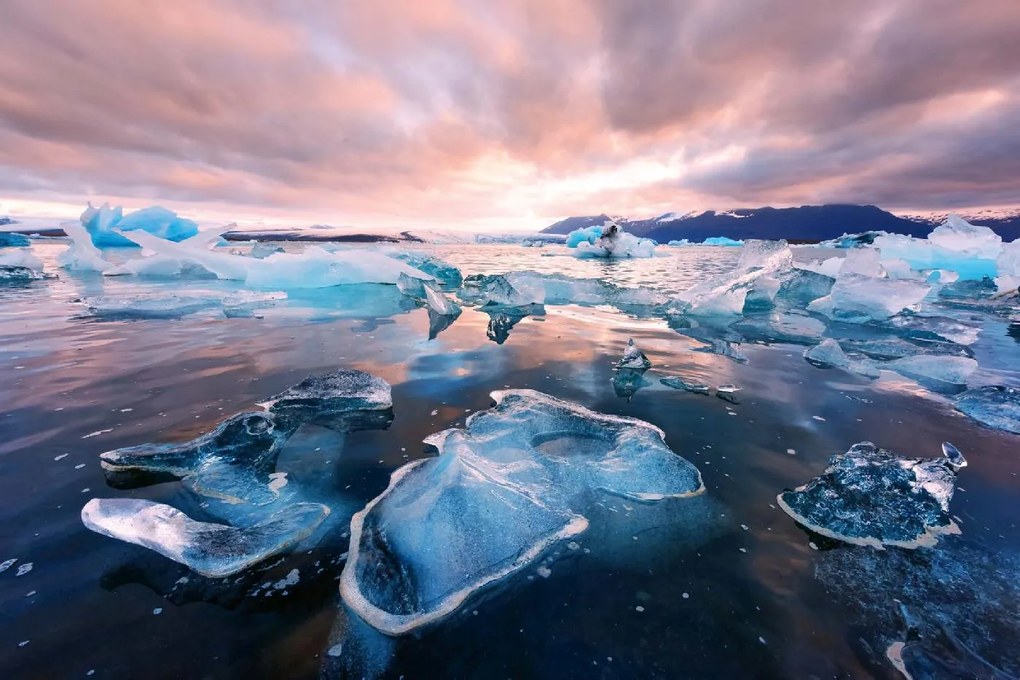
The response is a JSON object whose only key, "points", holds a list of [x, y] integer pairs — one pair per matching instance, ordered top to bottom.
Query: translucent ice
{"points": [[105, 224], [587, 235], [8, 240], [721, 241], [614, 242], [967, 249], [760, 262], [1007, 265], [315, 267], [441, 271], [495, 290], [858, 298], [438, 302], [171, 305], [829, 354], [633, 357], [948, 369], [678, 383], [996, 406], [234, 461], [516, 480], [870, 496], [213, 550]]}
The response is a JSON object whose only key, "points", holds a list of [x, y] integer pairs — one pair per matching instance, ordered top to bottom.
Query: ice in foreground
{"points": [[633, 357], [994, 406], [233, 462], [519, 478], [870, 496], [213, 550]]}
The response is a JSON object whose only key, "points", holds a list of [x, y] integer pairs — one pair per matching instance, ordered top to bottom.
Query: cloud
{"points": [[451, 113]]}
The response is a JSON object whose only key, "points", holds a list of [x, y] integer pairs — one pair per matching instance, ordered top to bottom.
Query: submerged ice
{"points": [[518, 478], [873, 497]]}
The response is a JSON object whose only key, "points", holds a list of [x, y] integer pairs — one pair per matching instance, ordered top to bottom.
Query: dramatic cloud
{"points": [[451, 113]]}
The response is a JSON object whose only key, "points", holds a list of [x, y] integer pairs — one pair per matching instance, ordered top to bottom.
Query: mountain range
{"points": [[806, 224]]}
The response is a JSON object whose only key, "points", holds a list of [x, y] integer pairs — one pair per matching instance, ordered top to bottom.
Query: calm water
{"points": [[716, 599]]}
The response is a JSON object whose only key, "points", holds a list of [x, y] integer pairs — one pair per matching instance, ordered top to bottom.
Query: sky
{"points": [[447, 114]]}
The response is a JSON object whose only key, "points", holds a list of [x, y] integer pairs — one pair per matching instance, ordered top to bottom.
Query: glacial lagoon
{"points": [[498, 562]]}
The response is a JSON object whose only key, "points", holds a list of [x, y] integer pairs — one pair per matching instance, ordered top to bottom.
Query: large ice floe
{"points": [[106, 225], [609, 240], [957, 245], [235, 463], [516, 480], [873, 497], [213, 550]]}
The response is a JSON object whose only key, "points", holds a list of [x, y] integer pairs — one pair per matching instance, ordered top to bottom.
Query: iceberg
{"points": [[105, 225], [587, 235], [12, 240], [721, 241], [614, 242], [956, 245], [315, 267], [633, 357], [995, 406], [516, 480], [872, 497], [213, 550]]}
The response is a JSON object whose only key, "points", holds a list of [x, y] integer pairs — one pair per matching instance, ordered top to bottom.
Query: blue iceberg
{"points": [[104, 223]]}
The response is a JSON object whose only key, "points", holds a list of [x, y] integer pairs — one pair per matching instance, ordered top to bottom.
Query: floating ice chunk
{"points": [[105, 224], [587, 235], [959, 235], [865, 238], [11, 240], [721, 241], [614, 242], [680, 242], [967, 249], [81, 254], [863, 261], [20, 265], [313, 268], [1008, 269], [441, 271], [495, 290], [726, 294], [857, 298], [439, 303], [174, 305], [503, 319], [829, 354], [633, 357], [948, 369], [678, 383], [728, 393], [340, 400], [995, 406], [953, 455], [516, 480], [870, 496], [213, 550]]}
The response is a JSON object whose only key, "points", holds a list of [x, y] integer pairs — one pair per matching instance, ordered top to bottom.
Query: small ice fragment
{"points": [[633, 357], [678, 383], [728, 393], [819, 418], [97, 433], [792, 452], [954, 455], [60, 457], [79, 466], [277, 480], [744, 527], [573, 545], [7, 564], [25, 568], [544, 571], [30, 593], [686, 596], [639, 608], [157, 611], [761, 640], [23, 643], [336, 650]]}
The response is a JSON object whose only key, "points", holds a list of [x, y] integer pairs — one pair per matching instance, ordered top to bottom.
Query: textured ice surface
{"points": [[104, 225], [585, 235], [9, 240], [721, 241], [613, 242], [967, 249], [1007, 266], [315, 267], [441, 271], [495, 290], [726, 294], [858, 298], [438, 303], [170, 305], [829, 354], [633, 357], [948, 369], [627, 381], [679, 383], [996, 406], [234, 461], [516, 480], [870, 496], [213, 550]]}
